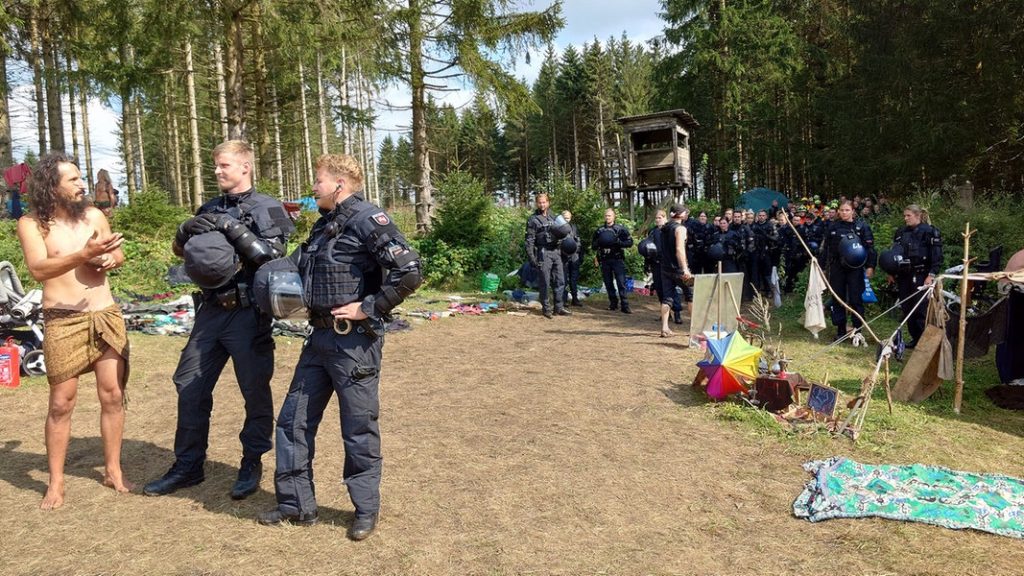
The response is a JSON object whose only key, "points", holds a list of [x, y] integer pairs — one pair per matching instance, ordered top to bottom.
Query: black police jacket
{"points": [[262, 215], [840, 229], [539, 235], [623, 239], [731, 242], [922, 246], [356, 253]]}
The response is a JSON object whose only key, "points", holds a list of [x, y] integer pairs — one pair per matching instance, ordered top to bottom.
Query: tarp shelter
{"points": [[761, 199]]}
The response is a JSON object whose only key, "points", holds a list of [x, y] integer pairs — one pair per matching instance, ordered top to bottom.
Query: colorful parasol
{"points": [[731, 360]]}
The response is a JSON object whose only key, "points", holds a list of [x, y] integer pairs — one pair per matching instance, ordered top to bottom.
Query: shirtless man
{"points": [[69, 247]]}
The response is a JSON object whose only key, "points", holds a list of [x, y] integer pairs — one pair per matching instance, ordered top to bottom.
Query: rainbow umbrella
{"points": [[731, 360]]}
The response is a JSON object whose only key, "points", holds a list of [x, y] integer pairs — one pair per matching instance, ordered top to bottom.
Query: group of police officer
{"points": [[752, 243], [354, 268]]}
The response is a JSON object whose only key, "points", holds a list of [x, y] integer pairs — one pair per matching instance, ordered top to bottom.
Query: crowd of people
{"points": [[756, 243]]}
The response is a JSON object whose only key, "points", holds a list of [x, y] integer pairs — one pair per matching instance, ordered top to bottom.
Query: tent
{"points": [[761, 199]]}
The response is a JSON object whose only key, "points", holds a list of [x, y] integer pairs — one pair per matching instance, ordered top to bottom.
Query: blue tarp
{"points": [[761, 199], [308, 203]]}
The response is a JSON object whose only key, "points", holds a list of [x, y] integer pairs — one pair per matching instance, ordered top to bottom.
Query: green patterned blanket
{"points": [[842, 488]]}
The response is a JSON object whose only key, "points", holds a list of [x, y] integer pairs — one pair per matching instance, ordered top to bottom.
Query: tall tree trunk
{"points": [[37, 80], [222, 98], [321, 103], [83, 105], [71, 109], [54, 110], [305, 126], [346, 126], [237, 128], [193, 129], [127, 140], [263, 144], [140, 146], [6, 151], [420, 151], [175, 152], [279, 163], [577, 174]]}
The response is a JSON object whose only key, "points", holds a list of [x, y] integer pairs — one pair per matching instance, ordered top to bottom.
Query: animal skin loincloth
{"points": [[75, 340]]}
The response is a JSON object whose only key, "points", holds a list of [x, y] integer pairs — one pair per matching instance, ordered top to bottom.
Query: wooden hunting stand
{"points": [[655, 161]]}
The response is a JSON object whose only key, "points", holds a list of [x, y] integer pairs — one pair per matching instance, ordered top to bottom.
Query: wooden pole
{"points": [[718, 312], [958, 396]]}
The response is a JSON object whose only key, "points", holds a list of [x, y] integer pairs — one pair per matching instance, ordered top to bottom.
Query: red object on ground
{"points": [[10, 365]]}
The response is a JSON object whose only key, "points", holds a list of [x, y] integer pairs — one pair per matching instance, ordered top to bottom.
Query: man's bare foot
{"points": [[665, 333], [118, 483], [54, 497]]}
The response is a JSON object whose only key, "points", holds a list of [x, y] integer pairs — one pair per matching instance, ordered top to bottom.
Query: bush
{"points": [[150, 215], [463, 218], [443, 265]]}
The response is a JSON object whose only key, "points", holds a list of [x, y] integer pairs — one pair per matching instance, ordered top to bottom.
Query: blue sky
{"points": [[585, 20]]}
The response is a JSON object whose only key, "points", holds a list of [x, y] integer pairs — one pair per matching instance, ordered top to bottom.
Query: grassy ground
{"points": [[513, 445]]}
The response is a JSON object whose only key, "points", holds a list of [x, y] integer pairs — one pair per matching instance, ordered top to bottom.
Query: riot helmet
{"points": [[606, 237], [569, 246], [647, 248], [716, 252], [852, 252], [210, 260], [889, 260], [277, 288]]}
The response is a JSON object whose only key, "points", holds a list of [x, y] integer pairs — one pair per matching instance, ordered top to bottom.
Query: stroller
{"points": [[21, 319]]}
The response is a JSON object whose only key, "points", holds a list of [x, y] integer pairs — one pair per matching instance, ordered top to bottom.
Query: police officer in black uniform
{"points": [[542, 236], [765, 240], [696, 241], [608, 242], [726, 246], [920, 246], [849, 253], [572, 255], [793, 255], [356, 267], [226, 323]]}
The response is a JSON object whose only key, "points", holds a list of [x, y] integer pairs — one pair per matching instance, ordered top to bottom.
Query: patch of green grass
{"points": [[909, 433]]}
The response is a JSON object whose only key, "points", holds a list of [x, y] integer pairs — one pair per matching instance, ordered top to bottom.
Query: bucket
{"points": [[489, 283], [10, 364]]}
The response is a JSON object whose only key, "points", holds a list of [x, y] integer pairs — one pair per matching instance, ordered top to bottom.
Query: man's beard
{"points": [[74, 208]]}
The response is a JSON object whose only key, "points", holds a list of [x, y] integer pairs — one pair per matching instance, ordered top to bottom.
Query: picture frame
{"points": [[822, 400]]}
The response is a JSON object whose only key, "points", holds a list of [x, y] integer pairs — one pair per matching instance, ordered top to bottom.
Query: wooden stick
{"points": [[718, 318], [888, 389], [958, 396]]}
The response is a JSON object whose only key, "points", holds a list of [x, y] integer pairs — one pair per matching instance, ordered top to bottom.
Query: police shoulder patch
{"points": [[381, 219]]}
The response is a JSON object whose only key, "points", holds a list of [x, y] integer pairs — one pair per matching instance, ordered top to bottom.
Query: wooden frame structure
{"points": [[656, 159]]}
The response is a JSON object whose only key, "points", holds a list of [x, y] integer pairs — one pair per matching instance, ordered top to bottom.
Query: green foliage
{"points": [[464, 215], [149, 216], [10, 250], [443, 265]]}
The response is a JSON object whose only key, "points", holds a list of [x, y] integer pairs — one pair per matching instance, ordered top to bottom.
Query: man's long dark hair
{"points": [[45, 181]]}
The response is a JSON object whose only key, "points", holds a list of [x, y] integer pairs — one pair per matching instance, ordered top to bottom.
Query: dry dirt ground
{"points": [[512, 445]]}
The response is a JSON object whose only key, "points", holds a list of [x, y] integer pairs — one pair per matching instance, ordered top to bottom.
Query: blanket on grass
{"points": [[842, 488]]}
